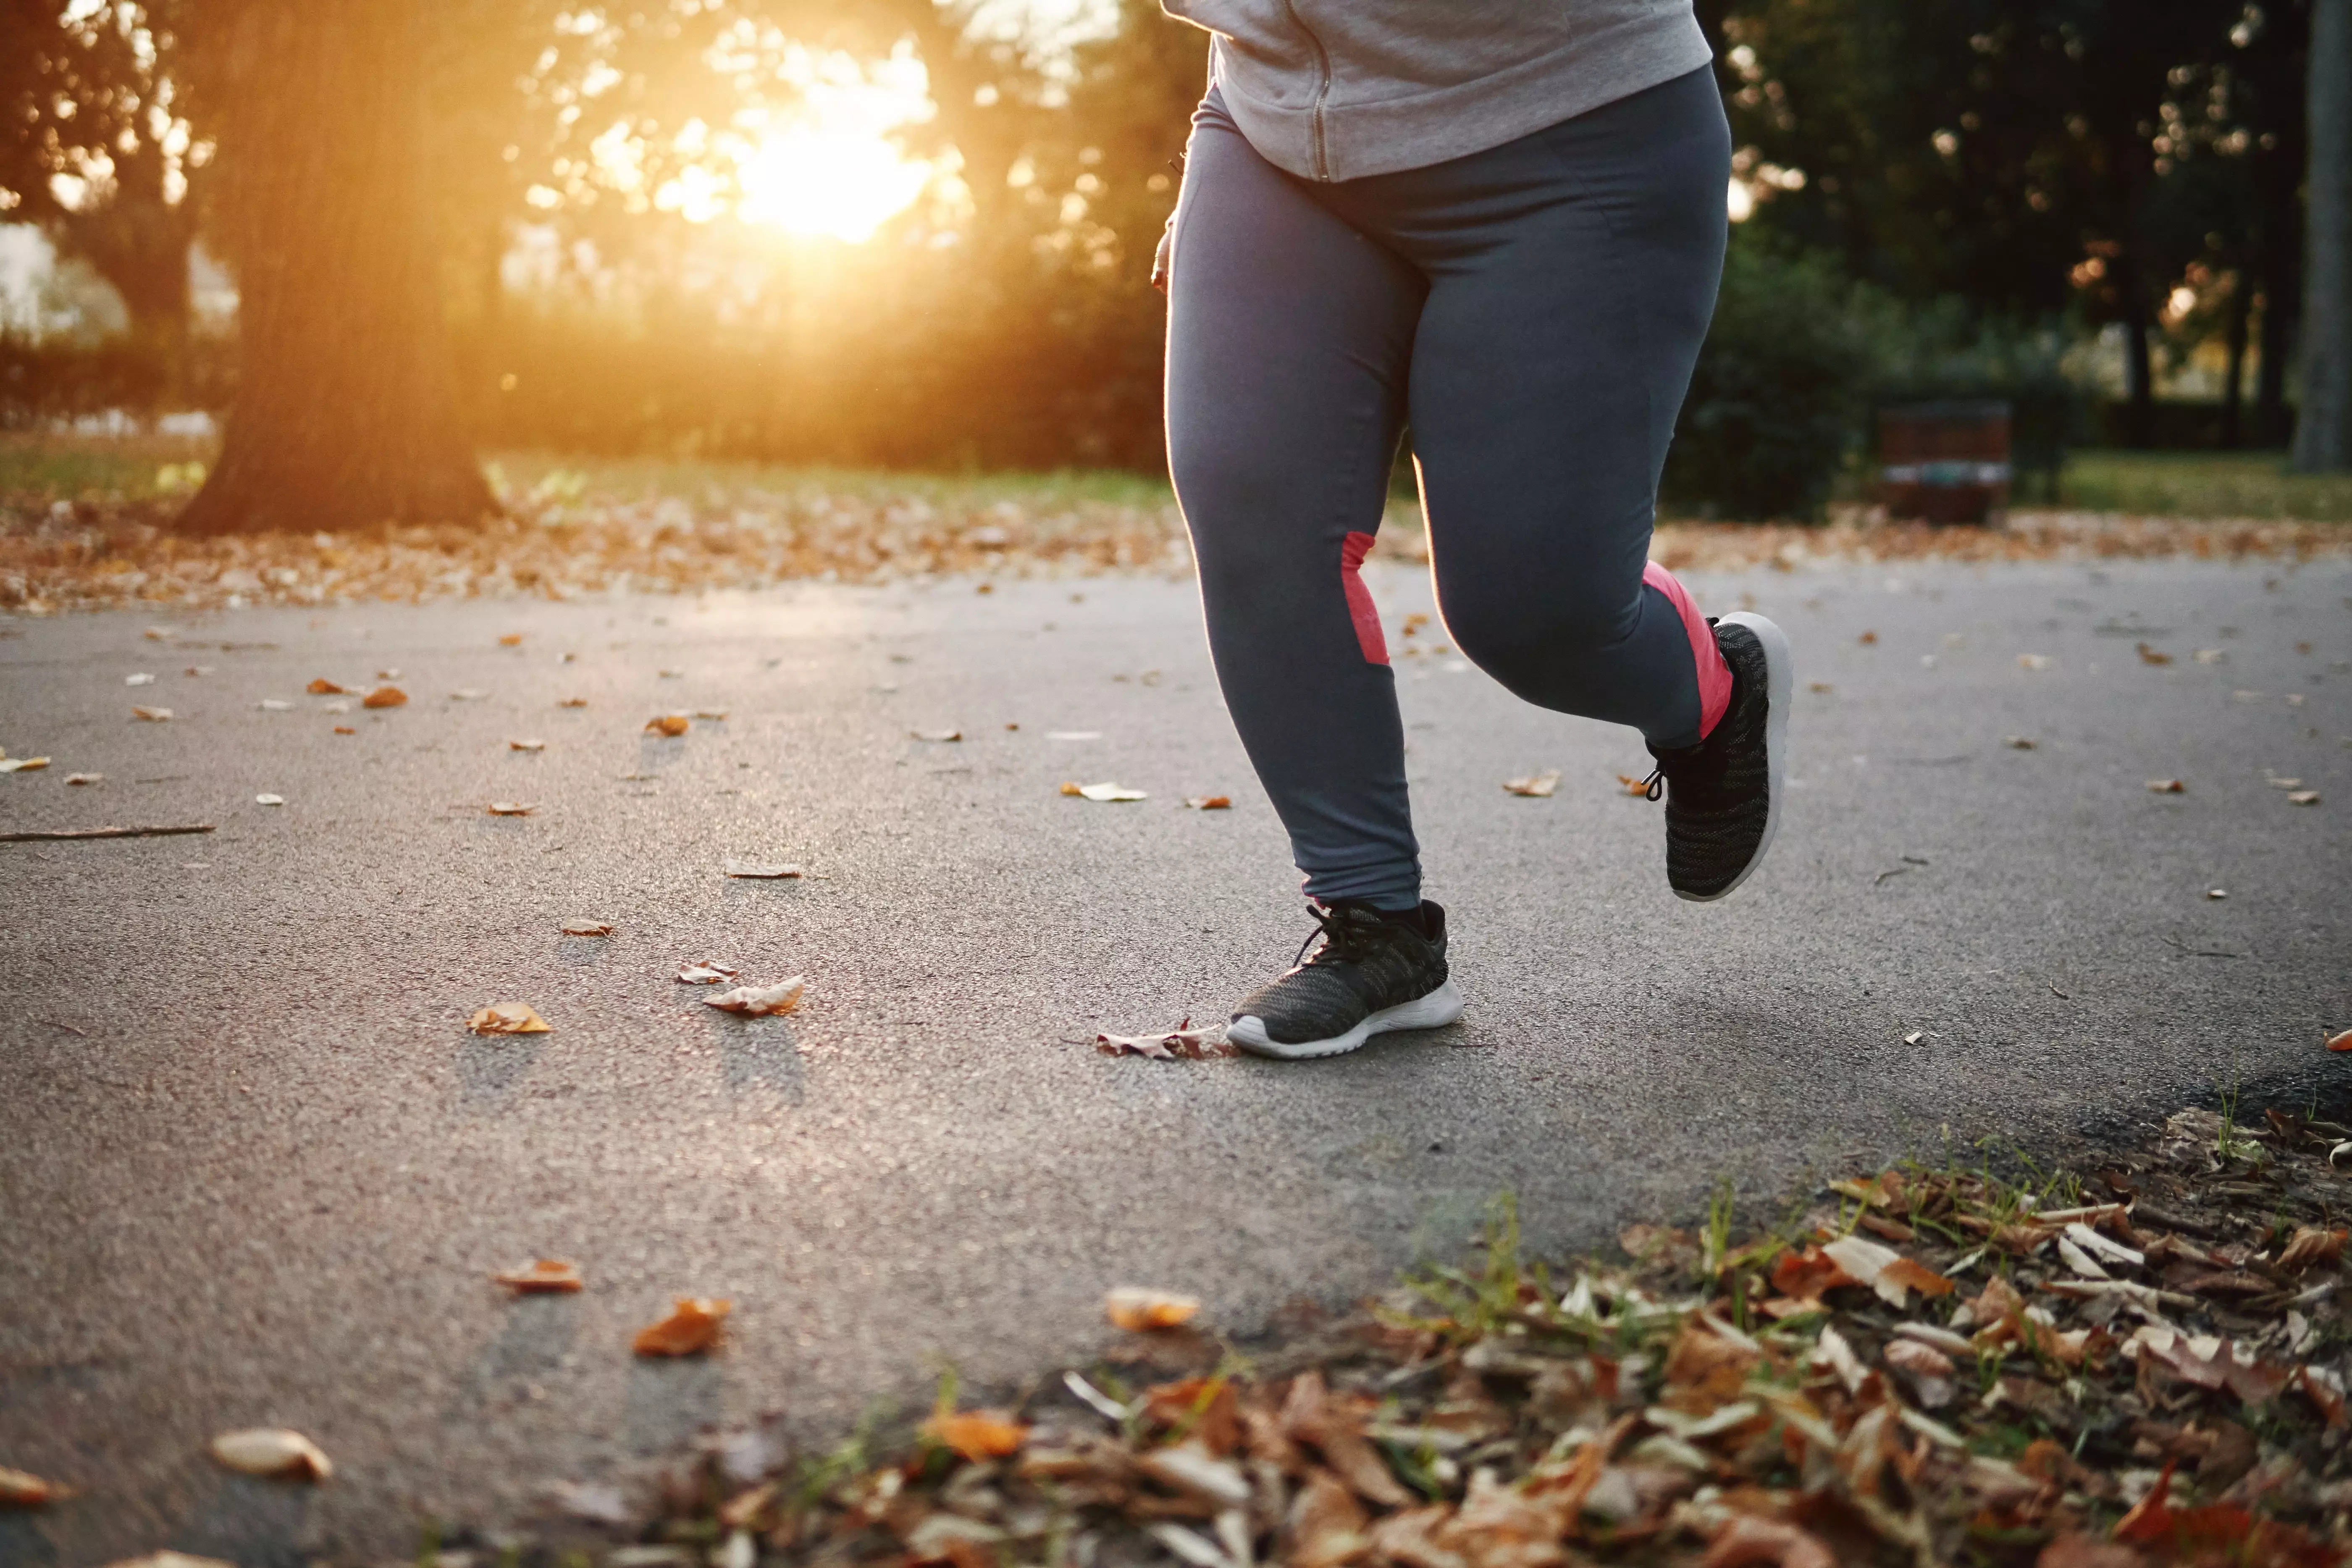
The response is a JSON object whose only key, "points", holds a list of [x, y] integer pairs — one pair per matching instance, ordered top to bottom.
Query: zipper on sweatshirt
{"points": [[1317, 164]]}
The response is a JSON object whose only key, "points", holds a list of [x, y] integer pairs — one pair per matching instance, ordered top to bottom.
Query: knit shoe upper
{"points": [[1720, 793], [1375, 969]]}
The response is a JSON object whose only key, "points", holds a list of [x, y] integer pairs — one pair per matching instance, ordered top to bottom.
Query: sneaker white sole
{"points": [[1780, 686], [1434, 1011]]}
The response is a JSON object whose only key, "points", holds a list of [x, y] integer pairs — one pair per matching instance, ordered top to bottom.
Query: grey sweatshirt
{"points": [[1336, 89]]}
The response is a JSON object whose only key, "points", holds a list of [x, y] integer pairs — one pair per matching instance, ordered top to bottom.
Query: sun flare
{"points": [[836, 180]]}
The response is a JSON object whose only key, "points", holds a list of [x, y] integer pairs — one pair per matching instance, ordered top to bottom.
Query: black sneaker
{"points": [[1723, 796], [1377, 970]]}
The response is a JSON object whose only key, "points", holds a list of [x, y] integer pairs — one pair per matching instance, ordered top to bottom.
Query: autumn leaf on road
{"points": [[322, 687], [384, 697], [153, 715], [670, 724], [937, 734], [532, 745], [23, 764], [1538, 785], [2166, 786], [1639, 788], [1103, 791], [1209, 802], [513, 807], [586, 928], [705, 974], [760, 1001], [509, 1018], [1181, 1043], [542, 1276], [1135, 1308], [691, 1328], [976, 1435], [272, 1451], [20, 1489]]}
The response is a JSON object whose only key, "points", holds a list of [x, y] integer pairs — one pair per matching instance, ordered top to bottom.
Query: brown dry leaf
{"points": [[1866, 638], [512, 640], [2150, 656], [322, 687], [385, 697], [573, 703], [153, 715], [670, 724], [345, 730], [941, 735], [2018, 742], [534, 745], [23, 764], [85, 778], [1069, 786], [2166, 786], [1537, 787], [1638, 788], [1105, 792], [2303, 797], [1209, 802], [513, 807], [586, 928], [704, 973], [760, 1001], [509, 1018], [2341, 1042], [1183, 1043], [2310, 1244], [541, 1276], [1804, 1276], [1136, 1308], [691, 1328], [1918, 1359], [1705, 1370], [976, 1435], [272, 1451], [21, 1489], [1326, 1524], [1416, 1538], [1749, 1540], [2087, 1551]]}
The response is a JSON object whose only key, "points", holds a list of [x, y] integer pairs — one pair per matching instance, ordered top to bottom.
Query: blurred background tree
{"points": [[901, 233]]}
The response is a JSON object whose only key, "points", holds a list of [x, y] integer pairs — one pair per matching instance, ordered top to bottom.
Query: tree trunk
{"points": [[2139, 380], [2233, 380], [346, 411], [2323, 431]]}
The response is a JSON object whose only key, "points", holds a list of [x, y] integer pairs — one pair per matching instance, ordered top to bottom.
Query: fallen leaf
{"points": [[1866, 638], [512, 640], [2150, 656], [2213, 656], [2034, 661], [141, 679], [1819, 686], [322, 687], [467, 694], [385, 697], [573, 703], [274, 705], [714, 713], [153, 715], [670, 724], [345, 730], [937, 734], [2018, 742], [526, 745], [23, 764], [85, 778], [1069, 786], [1539, 786], [2166, 786], [1638, 788], [1105, 792], [2303, 798], [269, 800], [1209, 802], [513, 807], [765, 869], [586, 928], [705, 974], [760, 1001], [509, 1018], [1183, 1042], [2342, 1042], [2310, 1244], [543, 1276], [1804, 1276], [1135, 1308], [691, 1328], [1912, 1356], [976, 1435], [272, 1451], [20, 1489], [592, 1504], [1326, 1525], [1748, 1540], [2087, 1551]]}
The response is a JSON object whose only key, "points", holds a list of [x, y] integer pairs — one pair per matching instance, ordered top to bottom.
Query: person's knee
{"points": [[1234, 491], [1527, 637]]}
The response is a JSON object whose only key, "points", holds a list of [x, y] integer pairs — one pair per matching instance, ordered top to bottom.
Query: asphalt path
{"points": [[254, 1171]]}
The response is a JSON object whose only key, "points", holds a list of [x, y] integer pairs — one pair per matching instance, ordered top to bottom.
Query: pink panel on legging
{"points": [[1360, 609], [1714, 675]]}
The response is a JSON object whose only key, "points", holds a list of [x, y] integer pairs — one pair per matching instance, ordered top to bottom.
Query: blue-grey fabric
{"points": [[1336, 89], [1535, 311]]}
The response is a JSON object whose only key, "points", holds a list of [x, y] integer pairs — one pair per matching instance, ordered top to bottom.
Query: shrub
{"points": [[1776, 401]]}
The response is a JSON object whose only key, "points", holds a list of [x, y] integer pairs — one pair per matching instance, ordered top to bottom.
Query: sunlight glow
{"points": [[841, 180]]}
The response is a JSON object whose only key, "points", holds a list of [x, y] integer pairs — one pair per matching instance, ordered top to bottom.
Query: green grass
{"points": [[2203, 484]]}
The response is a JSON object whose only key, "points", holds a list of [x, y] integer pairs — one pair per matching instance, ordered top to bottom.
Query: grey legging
{"points": [[1534, 310]]}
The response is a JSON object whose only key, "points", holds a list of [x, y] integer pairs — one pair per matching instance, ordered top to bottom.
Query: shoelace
{"points": [[1342, 938]]}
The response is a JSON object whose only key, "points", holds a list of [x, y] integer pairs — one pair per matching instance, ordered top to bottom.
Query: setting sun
{"points": [[841, 182]]}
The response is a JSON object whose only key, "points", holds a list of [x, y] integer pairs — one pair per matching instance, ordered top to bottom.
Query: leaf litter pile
{"points": [[93, 554], [2142, 1364]]}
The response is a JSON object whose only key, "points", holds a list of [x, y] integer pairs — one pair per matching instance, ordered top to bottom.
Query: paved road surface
{"points": [[253, 1171]]}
